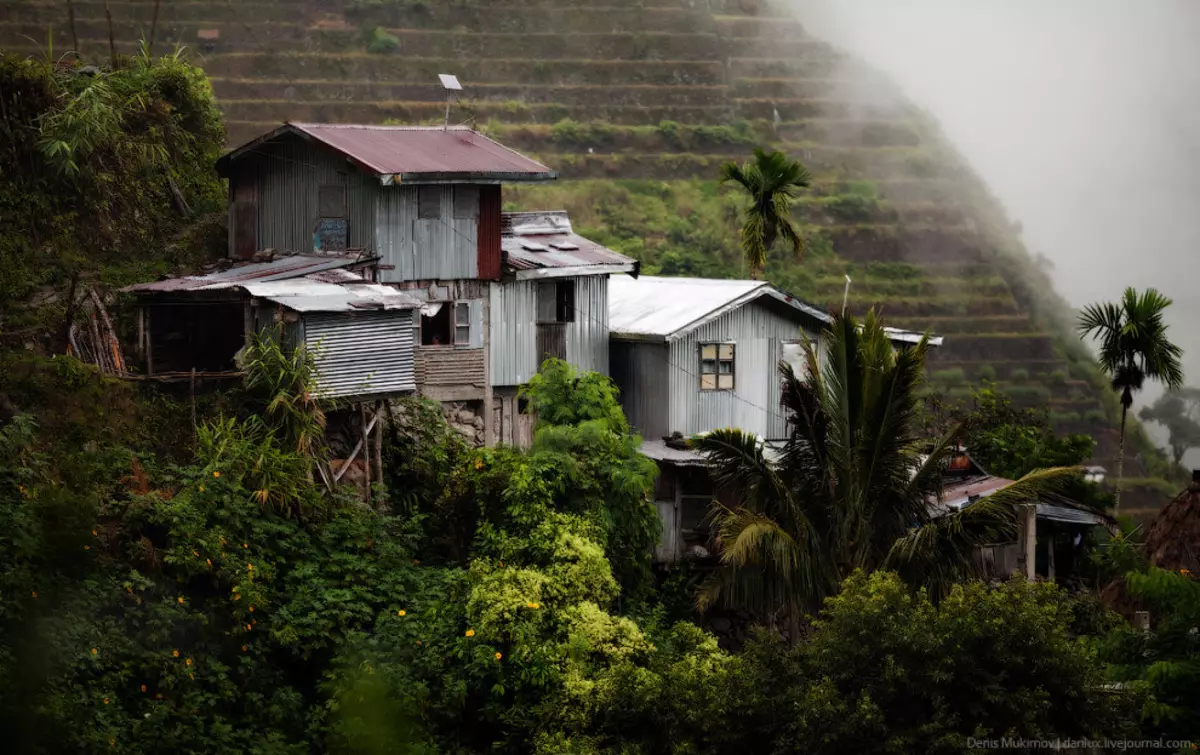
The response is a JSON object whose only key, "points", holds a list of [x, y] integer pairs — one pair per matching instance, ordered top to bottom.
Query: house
{"points": [[426, 203], [552, 301], [692, 355], [1050, 533]]}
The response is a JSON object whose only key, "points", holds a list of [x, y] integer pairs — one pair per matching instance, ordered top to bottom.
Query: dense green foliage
{"points": [[107, 172], [850, 488]]}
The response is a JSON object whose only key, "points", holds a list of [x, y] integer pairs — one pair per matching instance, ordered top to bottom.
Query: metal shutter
{"points": [[362, 354]]}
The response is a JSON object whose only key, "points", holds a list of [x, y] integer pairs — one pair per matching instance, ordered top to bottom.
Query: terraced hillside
{"points": [[636, 103]]}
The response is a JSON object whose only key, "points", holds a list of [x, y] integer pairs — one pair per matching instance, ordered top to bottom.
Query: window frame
{"points": [[424, 192], [564, 300], [461, 307], [724, 353]]}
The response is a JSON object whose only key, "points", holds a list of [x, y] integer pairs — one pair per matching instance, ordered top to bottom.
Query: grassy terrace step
{"points": [[143, 12], [517, 20], [760, 26], [93, 35], [546, 46], [827, 64], [353, 67], [385, 91], [789, 109], [851, 132], [933, 287], [914, 307], [952, 326], [1000, 347], [1007, 371]]}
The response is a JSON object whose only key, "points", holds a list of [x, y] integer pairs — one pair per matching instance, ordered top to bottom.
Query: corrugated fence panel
{"points": [[488, 234], [441, 248], [513, 331], [587, 336], [362, 354], [753, 404]]}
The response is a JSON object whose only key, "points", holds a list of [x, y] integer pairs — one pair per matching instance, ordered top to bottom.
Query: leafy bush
{"points": [[380, 42], [987, 373], [955, 375], [1020, 375], [1058, 378], [1095, 417]]}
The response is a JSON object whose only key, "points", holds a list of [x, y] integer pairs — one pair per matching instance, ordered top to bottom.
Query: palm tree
{"points": [[772, 182], [1133, 348], [850, 488]]}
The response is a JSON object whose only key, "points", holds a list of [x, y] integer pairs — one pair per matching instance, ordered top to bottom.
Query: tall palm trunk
{"points": [[1121, 455]]}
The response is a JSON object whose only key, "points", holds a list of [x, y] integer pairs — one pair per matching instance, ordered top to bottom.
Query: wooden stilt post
{"points": [[379, 405], [366, 438], [1027, 540]]}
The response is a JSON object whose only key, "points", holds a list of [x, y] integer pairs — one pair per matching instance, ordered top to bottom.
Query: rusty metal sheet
{"points": [[400, 154], [543, 240], [292, 266]]}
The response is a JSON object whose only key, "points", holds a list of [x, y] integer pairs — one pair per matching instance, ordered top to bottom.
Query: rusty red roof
{"points": [[412, 153], [543, 245]]}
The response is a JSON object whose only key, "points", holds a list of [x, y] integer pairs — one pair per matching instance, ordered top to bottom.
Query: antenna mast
{"points": [[451, 85]]}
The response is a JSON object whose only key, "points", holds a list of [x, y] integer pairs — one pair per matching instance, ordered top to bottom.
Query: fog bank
{"points": [[1082, 115]]}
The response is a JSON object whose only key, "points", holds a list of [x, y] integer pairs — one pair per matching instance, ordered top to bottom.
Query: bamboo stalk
{"points": [[112, 42]]}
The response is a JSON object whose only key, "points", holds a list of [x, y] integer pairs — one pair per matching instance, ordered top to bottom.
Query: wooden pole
{"points": [[153, 29], [74, 35], [112, 42], [193, 395], [366, 437], [379, 441], [1027, 538]]}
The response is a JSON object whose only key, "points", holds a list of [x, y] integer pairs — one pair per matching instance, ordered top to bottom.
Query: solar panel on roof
{"points": [[564, 246]]}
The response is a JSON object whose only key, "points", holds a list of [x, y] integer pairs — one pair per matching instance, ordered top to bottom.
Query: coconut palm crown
{"points": [[772, 182]]}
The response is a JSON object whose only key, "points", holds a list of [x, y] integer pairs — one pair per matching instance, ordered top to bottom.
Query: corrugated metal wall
{"points": [[287, 175], [441, 248], [488, 248], [516, 307], [513, 331], [757, 332], [587, 336], [362, 354], [641, 370]]}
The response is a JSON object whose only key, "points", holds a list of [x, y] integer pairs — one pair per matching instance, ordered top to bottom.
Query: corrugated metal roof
{"points": [[412, 153], [545, 240], [292, 266], [307, 295], [669, 307], [911, 336], [659, 451], [960, 494]]}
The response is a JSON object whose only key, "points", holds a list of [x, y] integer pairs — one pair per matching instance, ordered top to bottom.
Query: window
{"points": [[331, 201], [429, 201], [466, 202], [556, 301], [564, 301], [462, 323], [435, 328], [716, 367]]}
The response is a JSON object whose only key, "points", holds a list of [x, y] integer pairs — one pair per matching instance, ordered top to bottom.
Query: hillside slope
{"points": [[636, 103]]}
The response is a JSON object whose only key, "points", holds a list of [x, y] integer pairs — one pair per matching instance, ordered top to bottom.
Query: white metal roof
{"points": [[304, 295], [653, 307]]}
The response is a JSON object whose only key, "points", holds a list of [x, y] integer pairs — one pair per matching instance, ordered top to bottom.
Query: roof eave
{"points": [[389, 179], [539, 273], [765, 289], [640, 337]]}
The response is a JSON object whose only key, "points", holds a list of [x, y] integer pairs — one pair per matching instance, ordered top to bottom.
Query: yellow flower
{"points": [[479, 463], [216, 474], [201, 488], [95, 533], [244, 545], [87, 547], [196, 554], [208, 561], [249, 567], [1185, 572], [35, 593], [237, 597], [180, 599], [532, 605], [251, 609], [401, 613], [247, 627], [470, 632], [243, 648], [95, 651], [175, 653], [499, 656], [188, 661], [191, 676], [143, 688], [106, 701], [112, 743]]}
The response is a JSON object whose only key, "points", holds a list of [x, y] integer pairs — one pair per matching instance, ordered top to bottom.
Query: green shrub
{"points": [[380, 42], [852, 207], [986, 373], [954, 375], [1019, 375], [1058, 378], [1028, 391], [1095, 417]]}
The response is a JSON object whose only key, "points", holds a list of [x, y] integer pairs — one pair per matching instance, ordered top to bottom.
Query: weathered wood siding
{"points": [[448, 365]]}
